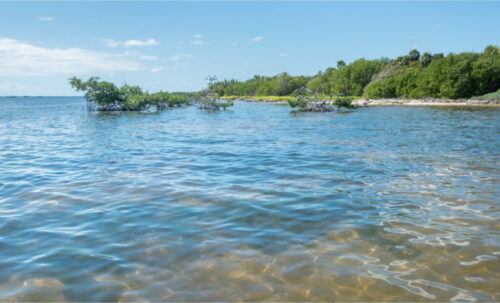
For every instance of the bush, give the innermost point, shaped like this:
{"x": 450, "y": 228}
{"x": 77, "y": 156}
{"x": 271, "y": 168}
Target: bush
{"x": 105, "y": 96}
{"x": 344, "y": 102}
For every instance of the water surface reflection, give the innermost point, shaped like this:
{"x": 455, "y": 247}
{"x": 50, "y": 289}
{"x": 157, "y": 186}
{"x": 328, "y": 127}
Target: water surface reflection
{"x": 386, "y": 204}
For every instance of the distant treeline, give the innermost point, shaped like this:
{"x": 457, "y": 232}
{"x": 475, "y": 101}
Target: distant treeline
{"x": 415, "y": 75}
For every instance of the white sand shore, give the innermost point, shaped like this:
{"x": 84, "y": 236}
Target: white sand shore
{"x": 425, "y": 102}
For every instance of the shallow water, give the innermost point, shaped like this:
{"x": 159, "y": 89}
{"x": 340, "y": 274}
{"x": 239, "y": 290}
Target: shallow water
{"x": 384, "y": 203}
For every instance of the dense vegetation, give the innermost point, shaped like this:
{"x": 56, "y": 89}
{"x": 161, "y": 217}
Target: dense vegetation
{"x": 454, "y": 76}
{"x": 280, "y": 85}
{"x": 105, "y": 96}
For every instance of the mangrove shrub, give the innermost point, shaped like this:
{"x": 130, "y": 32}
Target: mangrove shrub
{"x": 105, "y": 96}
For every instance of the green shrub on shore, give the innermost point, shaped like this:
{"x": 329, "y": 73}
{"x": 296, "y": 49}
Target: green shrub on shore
{"x": 345, "y": 102}
{"x": 490, "y": 96}
{"x": 302, "y": 98}
{"x": 453, "y": 76}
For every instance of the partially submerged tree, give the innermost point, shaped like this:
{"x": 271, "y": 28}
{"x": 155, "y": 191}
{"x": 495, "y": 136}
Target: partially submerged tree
{"x": 208, "y": 99}
{"x": 105, "y": 96}
{"x": 306, "y": 101}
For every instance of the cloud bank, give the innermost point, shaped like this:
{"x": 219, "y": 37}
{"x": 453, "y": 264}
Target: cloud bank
{"x": 131, "y": 43}
{"x": 23, "y": 59}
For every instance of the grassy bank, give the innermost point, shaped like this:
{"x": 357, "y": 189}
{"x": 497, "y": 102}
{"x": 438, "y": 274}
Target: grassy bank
{"x": 491, "y": 96}
{"x": 260, "y": 98}
{"x": 277, "y": 98}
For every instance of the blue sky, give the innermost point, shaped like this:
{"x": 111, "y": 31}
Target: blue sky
{"x": 175, "y": 45}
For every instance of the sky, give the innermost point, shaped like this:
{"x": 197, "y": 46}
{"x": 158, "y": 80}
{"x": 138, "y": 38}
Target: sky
{"x": 174, "y": 46}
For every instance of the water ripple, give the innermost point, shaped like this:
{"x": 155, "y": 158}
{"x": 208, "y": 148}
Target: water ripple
{"x": 381, "y": 204}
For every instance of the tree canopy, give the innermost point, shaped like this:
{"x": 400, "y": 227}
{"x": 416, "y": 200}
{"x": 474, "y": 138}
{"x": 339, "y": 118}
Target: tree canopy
{"x": 106, "y": 96}
{"x": 414, "y": 75}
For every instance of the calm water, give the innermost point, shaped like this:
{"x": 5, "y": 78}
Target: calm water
{"x": 386, "y": 203}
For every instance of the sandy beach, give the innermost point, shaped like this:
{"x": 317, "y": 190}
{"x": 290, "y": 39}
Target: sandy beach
{"x": 400, "y": 102}
{"x": 425, "y": 102}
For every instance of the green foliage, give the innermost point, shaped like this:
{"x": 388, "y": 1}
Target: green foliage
{"x": 210, "y": 103}
{"x": 165, "y": 100}
{"x": 208, "y": 99}
{"x": 302, "y": 97}
{"x": 453, "y": 76}
{"x": 345, "y": 102}
{"x": 298, "y": 102}
{"x": 226, "y": 104}
{"x": 99, "y": 92}
{"x": 346, "y": 80}
{"x": 414, "y": 55}
{"x": 105, "y": 96}
{"x": 351, "y": 79}
{"x": 280, "y": 85}
{"x": 136, "y": 102}
{"x": 490, "y": 96}
{"x": 426, "y": 59}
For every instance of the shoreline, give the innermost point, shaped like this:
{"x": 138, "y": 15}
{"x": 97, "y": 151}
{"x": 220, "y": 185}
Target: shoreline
{"x": 426, "y": 102}
{"x": 395, "y": 102}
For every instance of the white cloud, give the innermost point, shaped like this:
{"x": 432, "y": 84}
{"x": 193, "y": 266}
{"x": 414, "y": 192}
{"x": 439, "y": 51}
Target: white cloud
{"x": 234, "y": 44}
{"x": 23, "y": 59}
{"x": 257, "y": 39}
{"x": 198, "y": 42}
{"x": 180, "y": 42}
{"x": 197, "y": 36}
{"x": 148, "y": 58}
{"x": 141, "y": 43}
{"x": 157, "y": 69}
{"x": 283, "y": 54}
{"x": 45, "y": 18}
{"x": 130, "y": 43}
{"x": 180, "y": 56}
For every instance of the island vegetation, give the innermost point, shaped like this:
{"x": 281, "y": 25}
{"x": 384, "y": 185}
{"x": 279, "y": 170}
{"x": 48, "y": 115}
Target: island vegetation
{"x": 106, "y": 96}
{"x": 453, "y": 76}
{"x": 412, "y": 76}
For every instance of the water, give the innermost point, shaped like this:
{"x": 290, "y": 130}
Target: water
{"x": 384, "y": 203}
